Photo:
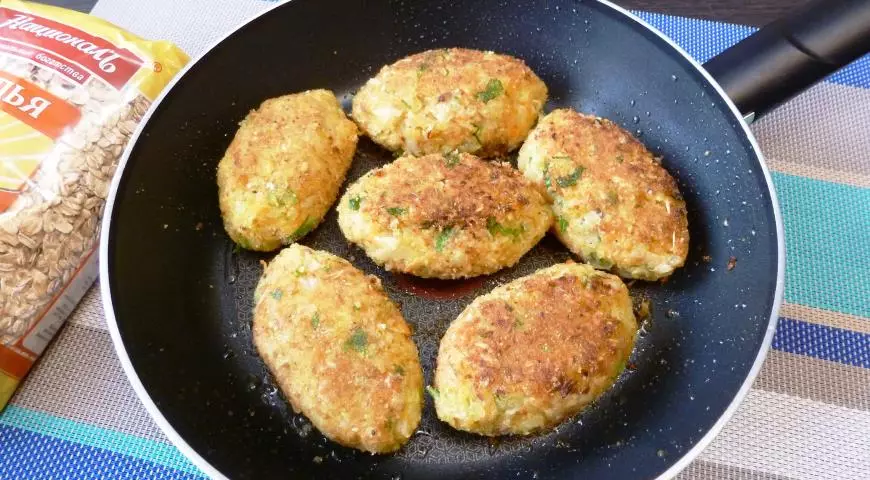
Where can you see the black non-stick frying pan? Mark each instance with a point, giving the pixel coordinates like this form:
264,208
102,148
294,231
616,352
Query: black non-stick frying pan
178,298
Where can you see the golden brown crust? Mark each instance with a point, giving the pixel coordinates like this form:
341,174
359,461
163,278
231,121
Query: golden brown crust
283,169
616,206
444,216
457,190
535,351
443,100
346,361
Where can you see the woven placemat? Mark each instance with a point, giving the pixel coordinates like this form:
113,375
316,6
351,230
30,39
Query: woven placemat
807,416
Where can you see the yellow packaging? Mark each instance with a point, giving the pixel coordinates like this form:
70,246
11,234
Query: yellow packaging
73,88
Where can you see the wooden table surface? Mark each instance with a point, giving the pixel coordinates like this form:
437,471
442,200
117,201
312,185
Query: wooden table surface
747,12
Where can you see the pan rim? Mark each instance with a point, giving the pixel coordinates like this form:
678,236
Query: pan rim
741,394
191,454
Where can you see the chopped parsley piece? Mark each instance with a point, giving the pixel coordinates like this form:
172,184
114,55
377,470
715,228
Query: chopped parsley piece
353,203
451,159
315,320
496,228
423,67
433,392
280,199
358,340
442,238
243,243
307,226
399,370
619,158
396,211
571,180
518,322
548,182
563,224
493,89
612,197
277,294
599,262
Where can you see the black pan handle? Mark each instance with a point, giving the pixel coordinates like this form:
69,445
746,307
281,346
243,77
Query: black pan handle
791,54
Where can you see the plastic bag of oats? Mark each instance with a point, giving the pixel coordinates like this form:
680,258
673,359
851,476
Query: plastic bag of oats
72,90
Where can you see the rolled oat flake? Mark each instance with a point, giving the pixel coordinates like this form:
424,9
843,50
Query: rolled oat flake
73,88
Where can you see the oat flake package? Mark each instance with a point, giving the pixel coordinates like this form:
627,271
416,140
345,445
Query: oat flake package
72,90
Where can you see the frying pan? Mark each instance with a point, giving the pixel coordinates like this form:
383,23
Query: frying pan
178,297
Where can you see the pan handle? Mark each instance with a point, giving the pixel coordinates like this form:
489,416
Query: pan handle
793,53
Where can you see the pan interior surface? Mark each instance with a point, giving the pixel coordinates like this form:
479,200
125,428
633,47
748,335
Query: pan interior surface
182,296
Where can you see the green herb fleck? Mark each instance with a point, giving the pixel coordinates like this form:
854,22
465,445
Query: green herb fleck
281,199
399,370
358,340
496,228
357,307
571,180
307,226
598,262
241,244
315,320
451,159
433,392
398,153
300,270
612,197
442,238
493,89
548,182
277,294
396,211
563,224
619,158
353,202
423,68
406,104
518,322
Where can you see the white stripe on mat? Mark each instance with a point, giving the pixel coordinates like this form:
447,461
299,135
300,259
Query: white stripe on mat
796,437
822,133
701,470
89,388
192,25
89,313
815,379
